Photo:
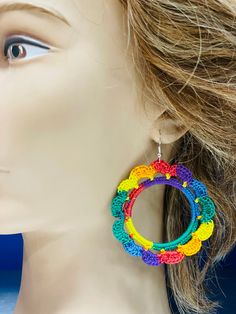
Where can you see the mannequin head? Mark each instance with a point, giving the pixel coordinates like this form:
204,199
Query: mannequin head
72,122
82,109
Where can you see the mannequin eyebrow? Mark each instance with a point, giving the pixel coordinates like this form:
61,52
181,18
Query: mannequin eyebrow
23,6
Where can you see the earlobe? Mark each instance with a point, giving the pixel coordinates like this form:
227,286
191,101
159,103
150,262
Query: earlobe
171,130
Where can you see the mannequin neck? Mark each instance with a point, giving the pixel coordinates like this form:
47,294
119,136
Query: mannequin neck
71,272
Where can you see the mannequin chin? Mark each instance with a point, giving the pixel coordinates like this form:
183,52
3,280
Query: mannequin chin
70,131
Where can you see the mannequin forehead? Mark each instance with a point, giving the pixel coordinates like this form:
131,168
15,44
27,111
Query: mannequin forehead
91,8
105,16
33,8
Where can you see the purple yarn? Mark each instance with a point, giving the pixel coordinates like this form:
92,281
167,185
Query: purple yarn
150,258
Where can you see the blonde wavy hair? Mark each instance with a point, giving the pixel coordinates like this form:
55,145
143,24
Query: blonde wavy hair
185,54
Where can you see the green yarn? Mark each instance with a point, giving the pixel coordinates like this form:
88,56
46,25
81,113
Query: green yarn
117,204
208,208
119,232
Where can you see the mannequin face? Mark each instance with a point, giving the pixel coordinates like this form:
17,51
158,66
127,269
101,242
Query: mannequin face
71,126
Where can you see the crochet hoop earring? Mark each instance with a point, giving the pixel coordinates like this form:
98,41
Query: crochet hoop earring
202,210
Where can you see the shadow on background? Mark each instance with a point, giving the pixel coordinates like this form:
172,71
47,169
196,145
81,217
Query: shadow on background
11,246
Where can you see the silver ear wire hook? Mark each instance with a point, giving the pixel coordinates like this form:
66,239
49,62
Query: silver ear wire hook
159,147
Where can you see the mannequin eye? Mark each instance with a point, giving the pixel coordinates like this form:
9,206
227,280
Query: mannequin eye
20,47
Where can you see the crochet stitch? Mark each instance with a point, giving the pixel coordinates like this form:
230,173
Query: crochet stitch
189,243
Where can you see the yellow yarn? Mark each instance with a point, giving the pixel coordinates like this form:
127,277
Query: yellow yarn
168,176
136,174
142,171
205,230
137,236
127,184
191,247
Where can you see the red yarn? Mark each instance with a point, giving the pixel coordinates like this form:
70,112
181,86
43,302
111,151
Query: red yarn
161,166
170,257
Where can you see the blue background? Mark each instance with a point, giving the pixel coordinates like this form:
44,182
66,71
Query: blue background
11,247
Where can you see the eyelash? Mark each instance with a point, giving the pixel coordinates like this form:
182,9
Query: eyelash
17,41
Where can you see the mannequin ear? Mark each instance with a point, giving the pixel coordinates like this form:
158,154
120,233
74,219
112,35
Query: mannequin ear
171,129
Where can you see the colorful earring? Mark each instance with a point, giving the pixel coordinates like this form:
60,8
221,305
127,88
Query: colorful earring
180,177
